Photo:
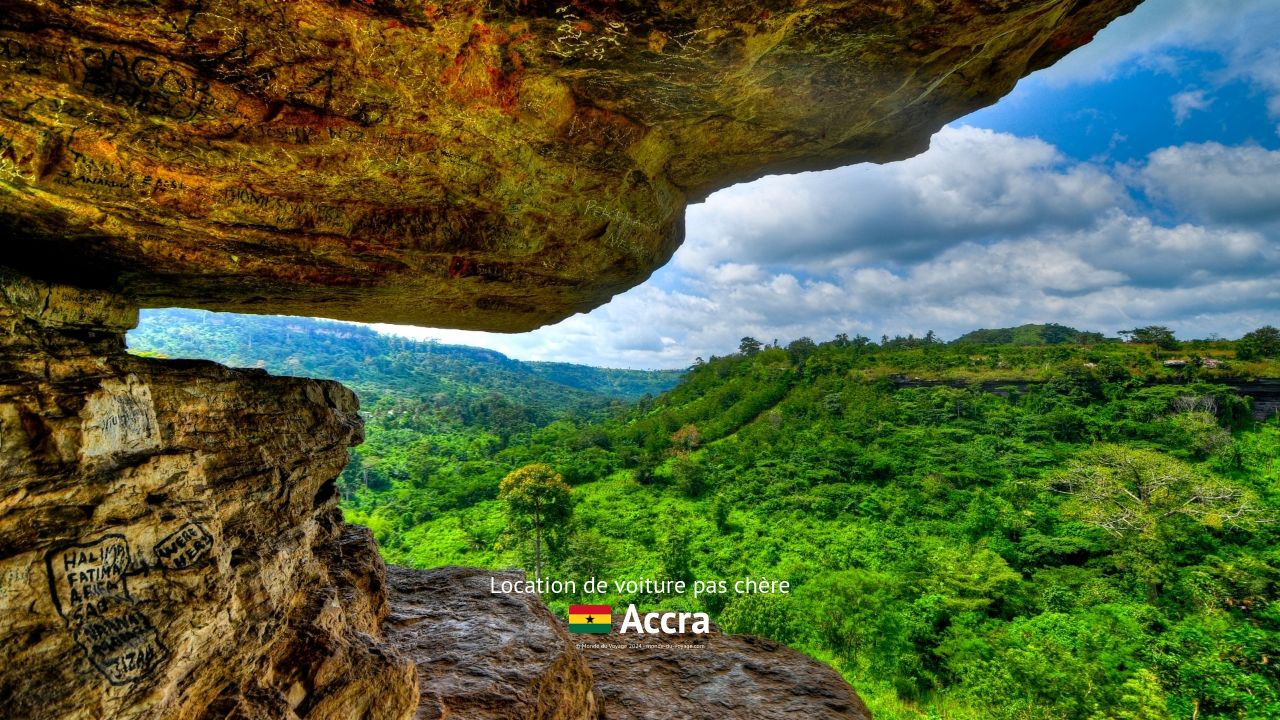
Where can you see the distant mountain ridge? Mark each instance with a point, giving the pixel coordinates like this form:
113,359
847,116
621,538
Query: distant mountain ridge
373,363
1031,334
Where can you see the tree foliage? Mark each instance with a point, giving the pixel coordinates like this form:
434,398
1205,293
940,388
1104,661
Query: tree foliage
1261,343
1133,493
1158,335
1066,531
537,502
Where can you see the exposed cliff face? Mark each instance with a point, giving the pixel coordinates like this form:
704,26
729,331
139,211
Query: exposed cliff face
1264,392
484,164
171,546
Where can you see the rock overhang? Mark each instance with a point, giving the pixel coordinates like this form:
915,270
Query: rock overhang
483,165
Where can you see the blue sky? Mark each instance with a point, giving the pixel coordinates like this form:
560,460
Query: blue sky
1135,182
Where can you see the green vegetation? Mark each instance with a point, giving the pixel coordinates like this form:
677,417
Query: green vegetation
1261,343
373,364
1023,335
1080,531
538,505
1088,545
1157,335
431,410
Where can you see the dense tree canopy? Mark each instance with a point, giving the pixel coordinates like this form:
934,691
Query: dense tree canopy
977,530
1261,343
1015,532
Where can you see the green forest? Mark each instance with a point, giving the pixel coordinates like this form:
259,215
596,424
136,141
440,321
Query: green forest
1026,523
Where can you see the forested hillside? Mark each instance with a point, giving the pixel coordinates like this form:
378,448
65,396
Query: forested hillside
1059,530
1096,542
420,400
374,363
1049,334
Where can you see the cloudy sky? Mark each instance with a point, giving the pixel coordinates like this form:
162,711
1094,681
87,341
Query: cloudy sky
1136,182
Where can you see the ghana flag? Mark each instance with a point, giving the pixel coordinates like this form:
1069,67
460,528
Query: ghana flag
590,618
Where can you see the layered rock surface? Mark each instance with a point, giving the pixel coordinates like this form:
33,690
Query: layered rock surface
171,545
484,164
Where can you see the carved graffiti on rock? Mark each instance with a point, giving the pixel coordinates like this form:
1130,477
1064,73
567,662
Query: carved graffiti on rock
90,589
123,647
89,584
185,547
119,418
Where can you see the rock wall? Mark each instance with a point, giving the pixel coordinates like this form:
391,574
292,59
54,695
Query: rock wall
488,164
171,545
1265,393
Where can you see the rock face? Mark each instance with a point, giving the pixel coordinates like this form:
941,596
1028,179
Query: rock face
482,656
729,676
171,544
1265,393
484,164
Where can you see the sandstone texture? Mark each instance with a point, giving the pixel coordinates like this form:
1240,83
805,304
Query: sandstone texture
171,545
482,164
729,676
483,656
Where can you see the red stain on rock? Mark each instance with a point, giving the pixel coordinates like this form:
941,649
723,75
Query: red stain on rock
459,267
487,70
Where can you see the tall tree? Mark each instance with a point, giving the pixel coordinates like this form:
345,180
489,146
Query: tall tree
538,503
1158,335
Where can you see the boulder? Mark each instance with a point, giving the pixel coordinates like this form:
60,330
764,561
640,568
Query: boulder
716,676
492,656
485,656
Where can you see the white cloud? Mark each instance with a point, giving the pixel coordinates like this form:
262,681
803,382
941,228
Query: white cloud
1216,183
1185,103
984,230
971,184
1243,32
1145,37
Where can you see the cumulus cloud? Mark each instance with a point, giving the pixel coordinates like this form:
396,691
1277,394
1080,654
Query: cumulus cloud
1185,103
972,184
1243,29
1216,183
